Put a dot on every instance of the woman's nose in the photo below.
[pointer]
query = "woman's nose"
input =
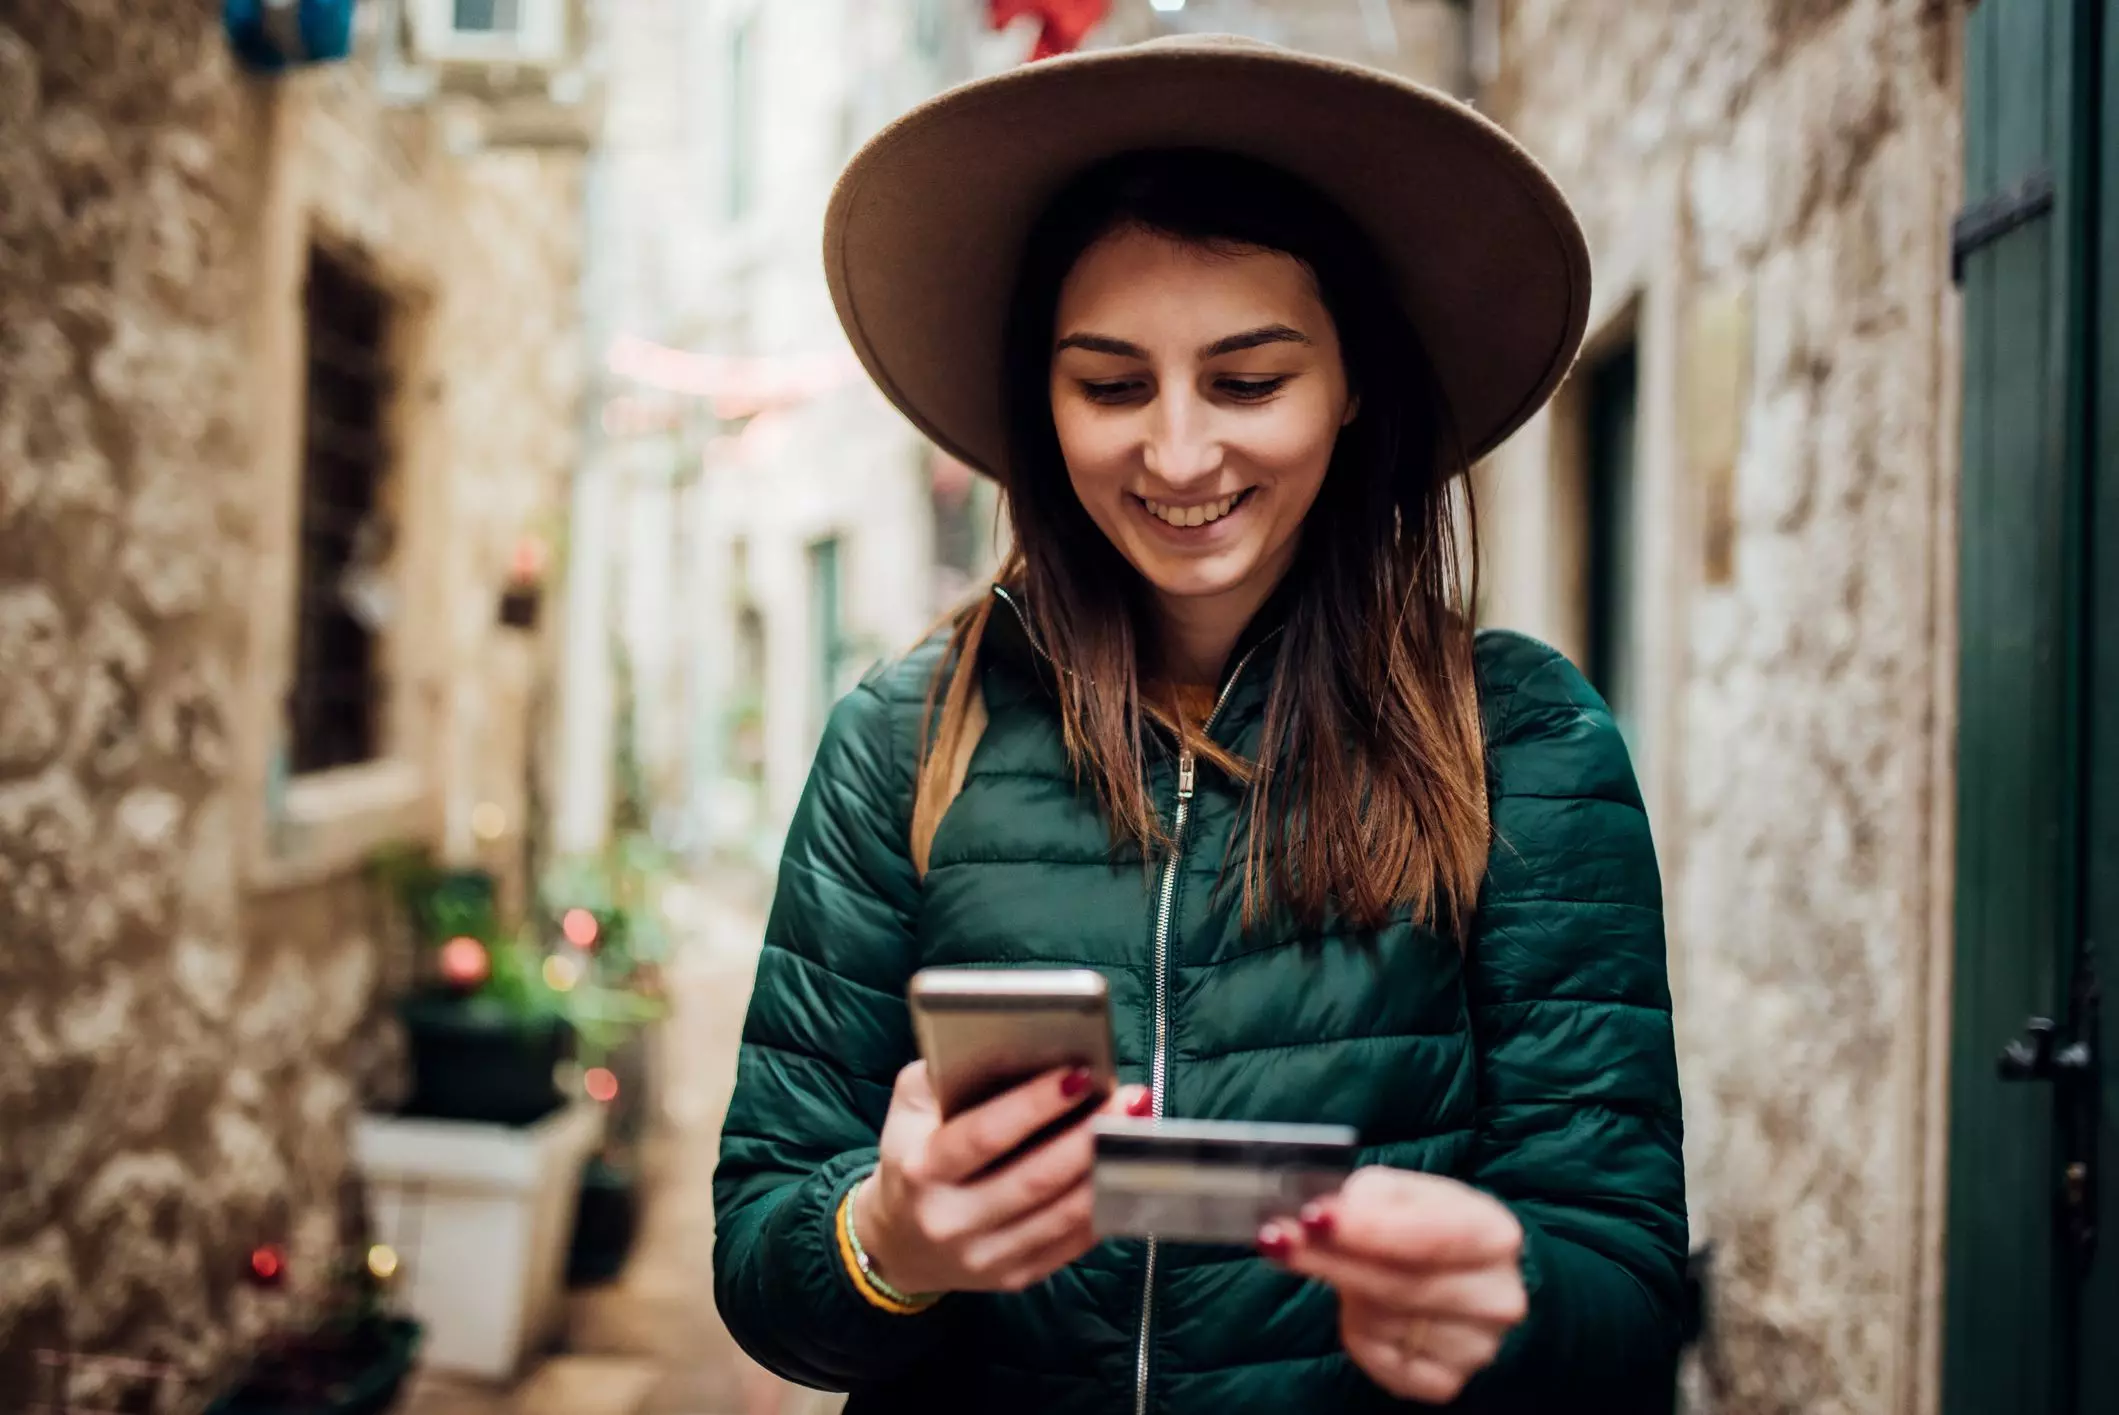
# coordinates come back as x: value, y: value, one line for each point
x: 1181, y: 447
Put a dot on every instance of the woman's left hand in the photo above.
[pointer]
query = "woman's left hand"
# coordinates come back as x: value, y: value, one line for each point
x: 1428, y: 1272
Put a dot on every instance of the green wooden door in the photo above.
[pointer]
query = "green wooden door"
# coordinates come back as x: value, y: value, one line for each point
x: 2031, y: 1321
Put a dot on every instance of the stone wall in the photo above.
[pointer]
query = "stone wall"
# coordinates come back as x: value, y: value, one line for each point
x: 1803, y: 156
x: 185, y: 1027
x: 141, y: 1158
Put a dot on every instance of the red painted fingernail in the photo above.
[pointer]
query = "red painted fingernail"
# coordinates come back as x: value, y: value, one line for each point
x: 1141, y: 1104
x: 1273, y: 1242
x: 1074, y: 1082
x: 1317, y: 1221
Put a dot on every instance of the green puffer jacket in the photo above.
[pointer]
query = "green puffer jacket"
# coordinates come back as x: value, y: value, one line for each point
x: 1537, y: 1065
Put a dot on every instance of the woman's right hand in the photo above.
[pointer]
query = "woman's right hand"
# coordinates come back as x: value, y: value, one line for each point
x: 933, y: 1219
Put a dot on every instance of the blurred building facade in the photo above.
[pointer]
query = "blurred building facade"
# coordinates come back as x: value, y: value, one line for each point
x: 288, y: 392
x: 754, y: 526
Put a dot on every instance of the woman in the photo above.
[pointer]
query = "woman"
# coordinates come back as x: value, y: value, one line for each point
x: 1226, y: 323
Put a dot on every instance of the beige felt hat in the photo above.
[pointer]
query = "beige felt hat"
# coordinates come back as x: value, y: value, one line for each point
x: 926, y: 226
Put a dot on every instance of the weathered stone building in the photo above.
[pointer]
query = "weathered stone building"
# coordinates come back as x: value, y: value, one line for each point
x: 1768, y: 595
x: 191, y: 969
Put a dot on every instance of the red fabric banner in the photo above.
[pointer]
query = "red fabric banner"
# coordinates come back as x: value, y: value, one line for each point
x: 1063, y: 24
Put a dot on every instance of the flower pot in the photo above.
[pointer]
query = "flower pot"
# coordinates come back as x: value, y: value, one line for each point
x: 480, y: 1216
x: 360, y: 1375
x: 472, y: 1060
x: 604, y: 1225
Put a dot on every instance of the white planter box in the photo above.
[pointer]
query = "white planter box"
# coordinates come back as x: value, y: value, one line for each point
x: 480, y: 1216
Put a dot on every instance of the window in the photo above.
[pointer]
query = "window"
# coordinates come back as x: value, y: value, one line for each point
x: 489, y: 16
x: 1611, y: 397
x: 742, y: 60
x: 827, y: 627
x: 334, y: 708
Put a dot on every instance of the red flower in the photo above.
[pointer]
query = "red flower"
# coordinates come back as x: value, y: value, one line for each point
x: 1064, y: 23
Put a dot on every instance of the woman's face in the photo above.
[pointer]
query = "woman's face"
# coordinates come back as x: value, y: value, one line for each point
x: 1197, y: 394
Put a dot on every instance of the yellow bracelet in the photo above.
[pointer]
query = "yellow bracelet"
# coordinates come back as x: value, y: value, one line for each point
x: 863, y: 1283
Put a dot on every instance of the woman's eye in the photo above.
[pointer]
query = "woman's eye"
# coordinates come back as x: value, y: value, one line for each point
x: 1251, y: 390
x: 1110, y: 391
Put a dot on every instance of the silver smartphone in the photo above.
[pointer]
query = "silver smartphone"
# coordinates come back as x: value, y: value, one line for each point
x: 984, y: 1030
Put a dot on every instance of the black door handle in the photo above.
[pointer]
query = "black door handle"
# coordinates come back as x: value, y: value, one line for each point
x: 2040, y: 1055
x: 2035, y: 1057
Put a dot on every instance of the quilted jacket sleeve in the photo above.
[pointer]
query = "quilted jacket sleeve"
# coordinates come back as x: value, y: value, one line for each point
x: 1579, y: 1121
x: 826, y: 1033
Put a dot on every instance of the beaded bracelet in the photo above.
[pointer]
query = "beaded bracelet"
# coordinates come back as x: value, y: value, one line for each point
x: 861, y: 1269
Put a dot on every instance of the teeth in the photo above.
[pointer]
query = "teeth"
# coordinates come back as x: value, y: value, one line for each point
x: 1193, y: 515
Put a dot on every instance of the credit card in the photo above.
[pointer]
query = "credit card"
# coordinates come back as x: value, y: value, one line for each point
x: 1210, y: 1181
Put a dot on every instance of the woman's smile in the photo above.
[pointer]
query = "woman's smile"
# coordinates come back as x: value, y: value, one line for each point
x: 1193, y: 523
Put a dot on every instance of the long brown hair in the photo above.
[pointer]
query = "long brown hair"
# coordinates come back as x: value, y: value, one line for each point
x: 1368, y: 795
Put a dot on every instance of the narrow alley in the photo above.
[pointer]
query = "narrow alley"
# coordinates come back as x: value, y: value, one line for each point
x: 459, y: 459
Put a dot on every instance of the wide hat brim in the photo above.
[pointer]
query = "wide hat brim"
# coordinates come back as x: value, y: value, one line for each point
x: 926, y: 226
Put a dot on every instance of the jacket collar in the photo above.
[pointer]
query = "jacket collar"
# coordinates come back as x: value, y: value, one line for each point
x: 1010, y: 644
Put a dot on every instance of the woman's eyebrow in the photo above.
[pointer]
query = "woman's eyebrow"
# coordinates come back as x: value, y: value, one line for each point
x: 1101, y: 344
x: 1229, y: 344
x: 1252, y: 338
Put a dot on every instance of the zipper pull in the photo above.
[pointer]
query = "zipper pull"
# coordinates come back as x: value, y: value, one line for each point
x: 1185, y: 763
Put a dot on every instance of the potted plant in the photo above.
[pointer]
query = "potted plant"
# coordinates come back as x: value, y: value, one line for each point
x: 485, y: 1158
x: 354, y: 1359
x: 353, y: 1368
x: 486, y: 1033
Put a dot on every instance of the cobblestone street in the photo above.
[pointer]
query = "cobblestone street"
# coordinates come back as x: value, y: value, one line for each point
x: 650, y: 1344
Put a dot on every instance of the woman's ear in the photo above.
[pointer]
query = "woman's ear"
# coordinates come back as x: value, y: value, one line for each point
x: 1353, y: 409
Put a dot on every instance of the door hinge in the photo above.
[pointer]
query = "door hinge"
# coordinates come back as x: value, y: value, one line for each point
x: 1987, y: 221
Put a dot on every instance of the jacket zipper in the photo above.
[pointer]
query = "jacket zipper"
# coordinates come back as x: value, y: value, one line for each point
x: 1159, y: 1059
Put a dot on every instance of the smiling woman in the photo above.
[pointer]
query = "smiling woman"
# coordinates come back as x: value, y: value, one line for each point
x: 1223, y: 731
